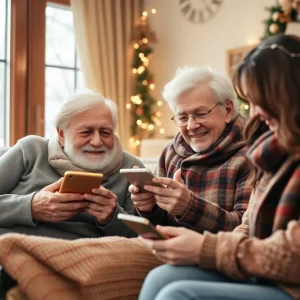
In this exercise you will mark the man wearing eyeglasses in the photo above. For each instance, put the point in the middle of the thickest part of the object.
(204, 168)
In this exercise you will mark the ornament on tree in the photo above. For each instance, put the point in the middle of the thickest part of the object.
(277, 21)
(273, 28)
(139, 111)
(275, 16)
(143, 47)
(283, 18)
(144, 30)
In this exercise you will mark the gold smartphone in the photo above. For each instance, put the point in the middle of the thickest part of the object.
(142, 227)
(80, 182)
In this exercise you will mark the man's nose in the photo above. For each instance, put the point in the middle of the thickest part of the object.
(192, 123)
(96, 140)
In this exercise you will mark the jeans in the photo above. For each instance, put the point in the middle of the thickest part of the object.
(189, 282)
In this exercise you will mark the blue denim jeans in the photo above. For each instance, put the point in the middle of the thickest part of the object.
(189, 282)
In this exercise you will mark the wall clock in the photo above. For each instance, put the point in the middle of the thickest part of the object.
(199, 11)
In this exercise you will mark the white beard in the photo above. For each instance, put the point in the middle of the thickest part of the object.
(79, 159)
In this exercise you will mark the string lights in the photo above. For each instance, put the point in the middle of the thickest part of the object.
(244, 109)
(145, 120)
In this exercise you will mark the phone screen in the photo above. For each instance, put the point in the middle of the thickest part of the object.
(139, 177)
(80, 182)
(142, 227)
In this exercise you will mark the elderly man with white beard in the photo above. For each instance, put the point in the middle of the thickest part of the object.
(31, 175)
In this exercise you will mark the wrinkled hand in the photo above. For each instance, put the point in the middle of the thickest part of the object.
(143, 201)
(49, 206)
(102, 204)
(175, 198)
(182, 248)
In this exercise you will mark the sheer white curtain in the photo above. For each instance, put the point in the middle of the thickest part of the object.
(103, 30)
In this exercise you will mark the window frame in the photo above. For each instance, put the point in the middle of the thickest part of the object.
(5, 62)
(73, 68)
(27, 73)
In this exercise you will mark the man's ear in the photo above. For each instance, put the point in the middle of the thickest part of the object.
(229, 111)
(61, 136)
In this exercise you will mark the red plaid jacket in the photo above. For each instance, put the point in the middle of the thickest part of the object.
(216, 177)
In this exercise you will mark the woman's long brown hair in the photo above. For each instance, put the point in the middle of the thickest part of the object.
(272, 77)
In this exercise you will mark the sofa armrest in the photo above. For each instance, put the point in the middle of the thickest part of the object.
(6, 283)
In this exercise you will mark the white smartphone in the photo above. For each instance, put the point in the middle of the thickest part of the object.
(139, 177)
(142, 227)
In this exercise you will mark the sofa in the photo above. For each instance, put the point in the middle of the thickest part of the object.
(5, 281)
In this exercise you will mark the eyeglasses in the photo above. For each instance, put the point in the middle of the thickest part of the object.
(182, 120)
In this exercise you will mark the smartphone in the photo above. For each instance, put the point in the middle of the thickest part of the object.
(139, 177)
(80, 182)
(142, 227)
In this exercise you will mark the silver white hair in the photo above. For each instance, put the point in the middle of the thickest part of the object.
(188, 78)
(81, 102)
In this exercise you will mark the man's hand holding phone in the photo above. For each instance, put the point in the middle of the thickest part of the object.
(102, 204)
(175, 198)
(75, 193)
(142, 200)
(169, 194)
(48, 205)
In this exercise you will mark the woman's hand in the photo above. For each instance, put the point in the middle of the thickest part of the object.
(182, 248)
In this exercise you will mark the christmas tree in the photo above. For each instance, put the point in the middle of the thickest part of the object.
(277, 21)
(143, 117)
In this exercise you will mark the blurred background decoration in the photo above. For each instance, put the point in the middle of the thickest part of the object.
(277, 21)
(144, 108)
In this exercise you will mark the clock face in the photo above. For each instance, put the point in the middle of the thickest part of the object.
(199, 11)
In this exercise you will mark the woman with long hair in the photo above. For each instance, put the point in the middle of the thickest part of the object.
(260, 259)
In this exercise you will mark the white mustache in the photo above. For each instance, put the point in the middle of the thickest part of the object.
(93, 149)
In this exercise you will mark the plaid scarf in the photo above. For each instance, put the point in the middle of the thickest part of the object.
(277, 196)
(216, 177)
(179, 154)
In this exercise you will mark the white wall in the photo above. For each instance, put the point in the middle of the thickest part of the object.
(180, 42)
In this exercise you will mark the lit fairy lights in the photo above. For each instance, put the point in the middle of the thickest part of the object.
(244, 109)
(145, 120)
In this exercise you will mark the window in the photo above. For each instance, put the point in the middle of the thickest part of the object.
(4, 71)
(63, 75)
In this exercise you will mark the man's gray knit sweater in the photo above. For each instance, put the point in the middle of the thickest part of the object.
(25, 170)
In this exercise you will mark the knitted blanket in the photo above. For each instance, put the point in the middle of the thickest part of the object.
(96, 268)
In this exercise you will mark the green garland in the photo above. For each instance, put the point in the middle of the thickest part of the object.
(276, 24)
(277, 21)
